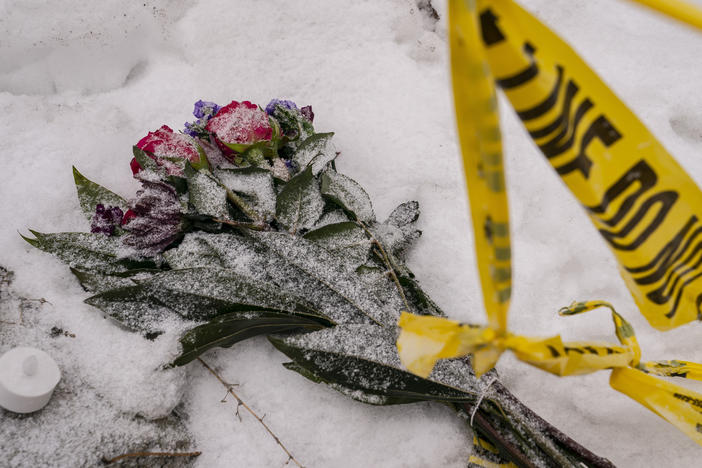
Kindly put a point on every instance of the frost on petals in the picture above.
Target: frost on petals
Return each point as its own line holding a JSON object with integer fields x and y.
{"x": 164, "y": 143}
{"x": 106, "y": 219}
{"x": 153, "y": 220}
{"x": 240, "y": 123}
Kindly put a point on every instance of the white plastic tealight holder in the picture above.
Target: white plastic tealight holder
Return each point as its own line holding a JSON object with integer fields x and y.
{"x": 28, "y": 377}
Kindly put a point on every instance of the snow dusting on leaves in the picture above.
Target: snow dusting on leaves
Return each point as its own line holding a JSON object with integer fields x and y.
{"x": 350, "y": 196}
{"x": 316, "y": 151}
{"x": 253, "y": 183}
{"x": 300, "y": 204}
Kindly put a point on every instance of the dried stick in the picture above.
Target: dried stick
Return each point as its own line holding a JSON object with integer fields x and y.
{"x": 150, "y": 454}
{"x": 259, "y": 419}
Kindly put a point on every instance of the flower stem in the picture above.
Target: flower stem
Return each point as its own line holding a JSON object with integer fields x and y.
{"x": 585, "y": 455}
{"x": 243, "y": 206}
{"x": 386, "y": 260}
{"x": 253, "y": 226}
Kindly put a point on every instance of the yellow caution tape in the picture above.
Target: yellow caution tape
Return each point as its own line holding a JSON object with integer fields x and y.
{"x": 678, "y": 9}
{"x": 642, "y": 202}
{"x": 481, "y": 144}
{"x": 424, "y": 340}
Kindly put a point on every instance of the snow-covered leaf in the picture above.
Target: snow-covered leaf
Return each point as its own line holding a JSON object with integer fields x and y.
{"x": 228, "y": 329}
{"x": 404, "y": 214}
{"x": 194, "y": 294}
{"x": 300, "y": 203}
{"x": 133, "y": 307}
{"x": 347, "y": 240}
{"x": 207, "y": 195}
{"x": 87, "y": 251}
{"x": 98, "y": 282}
{"x": 348, "y": 194}
{"x": 361, "y": 361}
{"x": 91, "y": 194}
{"x": 315, "y": 152}
{"x": 254, "y": 184}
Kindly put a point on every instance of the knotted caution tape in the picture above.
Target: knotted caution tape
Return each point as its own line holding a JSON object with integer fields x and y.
{"x": 643, "y": 203}
{"x": 424, "y": 340}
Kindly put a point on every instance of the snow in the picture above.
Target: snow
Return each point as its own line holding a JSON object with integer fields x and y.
{"x": 79, "y": 86}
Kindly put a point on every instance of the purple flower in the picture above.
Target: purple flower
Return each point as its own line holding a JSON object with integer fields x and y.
{"x": 191, "y": 129}
{"x": 270, "y": 108}
{"x": 105, "y": 219}
{"x": 307, "y": 113}
{"x": 205, "y": 109}
{"x": 154, "y": 221}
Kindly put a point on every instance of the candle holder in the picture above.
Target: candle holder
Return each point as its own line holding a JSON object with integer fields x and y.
{"x": 28, "y": 377}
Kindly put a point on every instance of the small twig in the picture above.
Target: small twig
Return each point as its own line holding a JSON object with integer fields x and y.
{"x": 259, "y": 419}
{"x": 20, "y": 309}
{"x": 150, "y": 454}
{"x": 255, "y": 226}
{"x": 386, "y": 260}
{"x": 41, "y": 300}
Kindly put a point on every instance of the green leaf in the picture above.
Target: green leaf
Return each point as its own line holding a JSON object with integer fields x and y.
{"x": 293, "y": 124}
{"x": 204, "y": 293}
{"x": 307, "y": 269}
{"x": 133, "y": 307}
{"x": 207, "y": 195}
{"x": 405, "y": 213}
{"x": 254, "y": 184}
{"x": 395, "y": 240}
{"x": 348, "y": 194}
{"x": 226, "y": 330}
{"x": 315, "y": 152}
{"x": 297, "y": 268}
{"x": 91, "y": 194}
{"x": 346, "y": 239}
{"x": 421, "y": 302}
{"x": 300, "y": 204}
{"x": 87, "y": 251}
{"x": 96, "y": 282}
{"x": 145, "y": 161}
{"x": 364, "y": 368}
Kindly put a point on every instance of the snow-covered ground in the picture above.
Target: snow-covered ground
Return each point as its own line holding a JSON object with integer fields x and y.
{"x": 80, "y": 84}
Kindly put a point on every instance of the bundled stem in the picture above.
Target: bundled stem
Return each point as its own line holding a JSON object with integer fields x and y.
{"x": 561, "y": 439}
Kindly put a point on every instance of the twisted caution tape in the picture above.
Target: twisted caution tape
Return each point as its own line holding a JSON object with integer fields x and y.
{"x": 424, "y": 340}
{"x": 481, "y": 144}
{"x": 645, "y": 206}
{"x": 678, "y": 9}
{"x": 643, "y": 203}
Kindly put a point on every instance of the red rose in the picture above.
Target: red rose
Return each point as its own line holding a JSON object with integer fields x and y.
{"x": 164, "y": 145}
{"x": 239, "y": 125}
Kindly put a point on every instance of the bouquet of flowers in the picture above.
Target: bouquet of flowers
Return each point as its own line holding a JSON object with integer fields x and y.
{"x": 244, "y": 227}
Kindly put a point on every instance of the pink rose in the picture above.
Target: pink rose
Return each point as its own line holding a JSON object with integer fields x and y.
{"x": 166, "y": 147}
{"x": 239, "y": 125}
